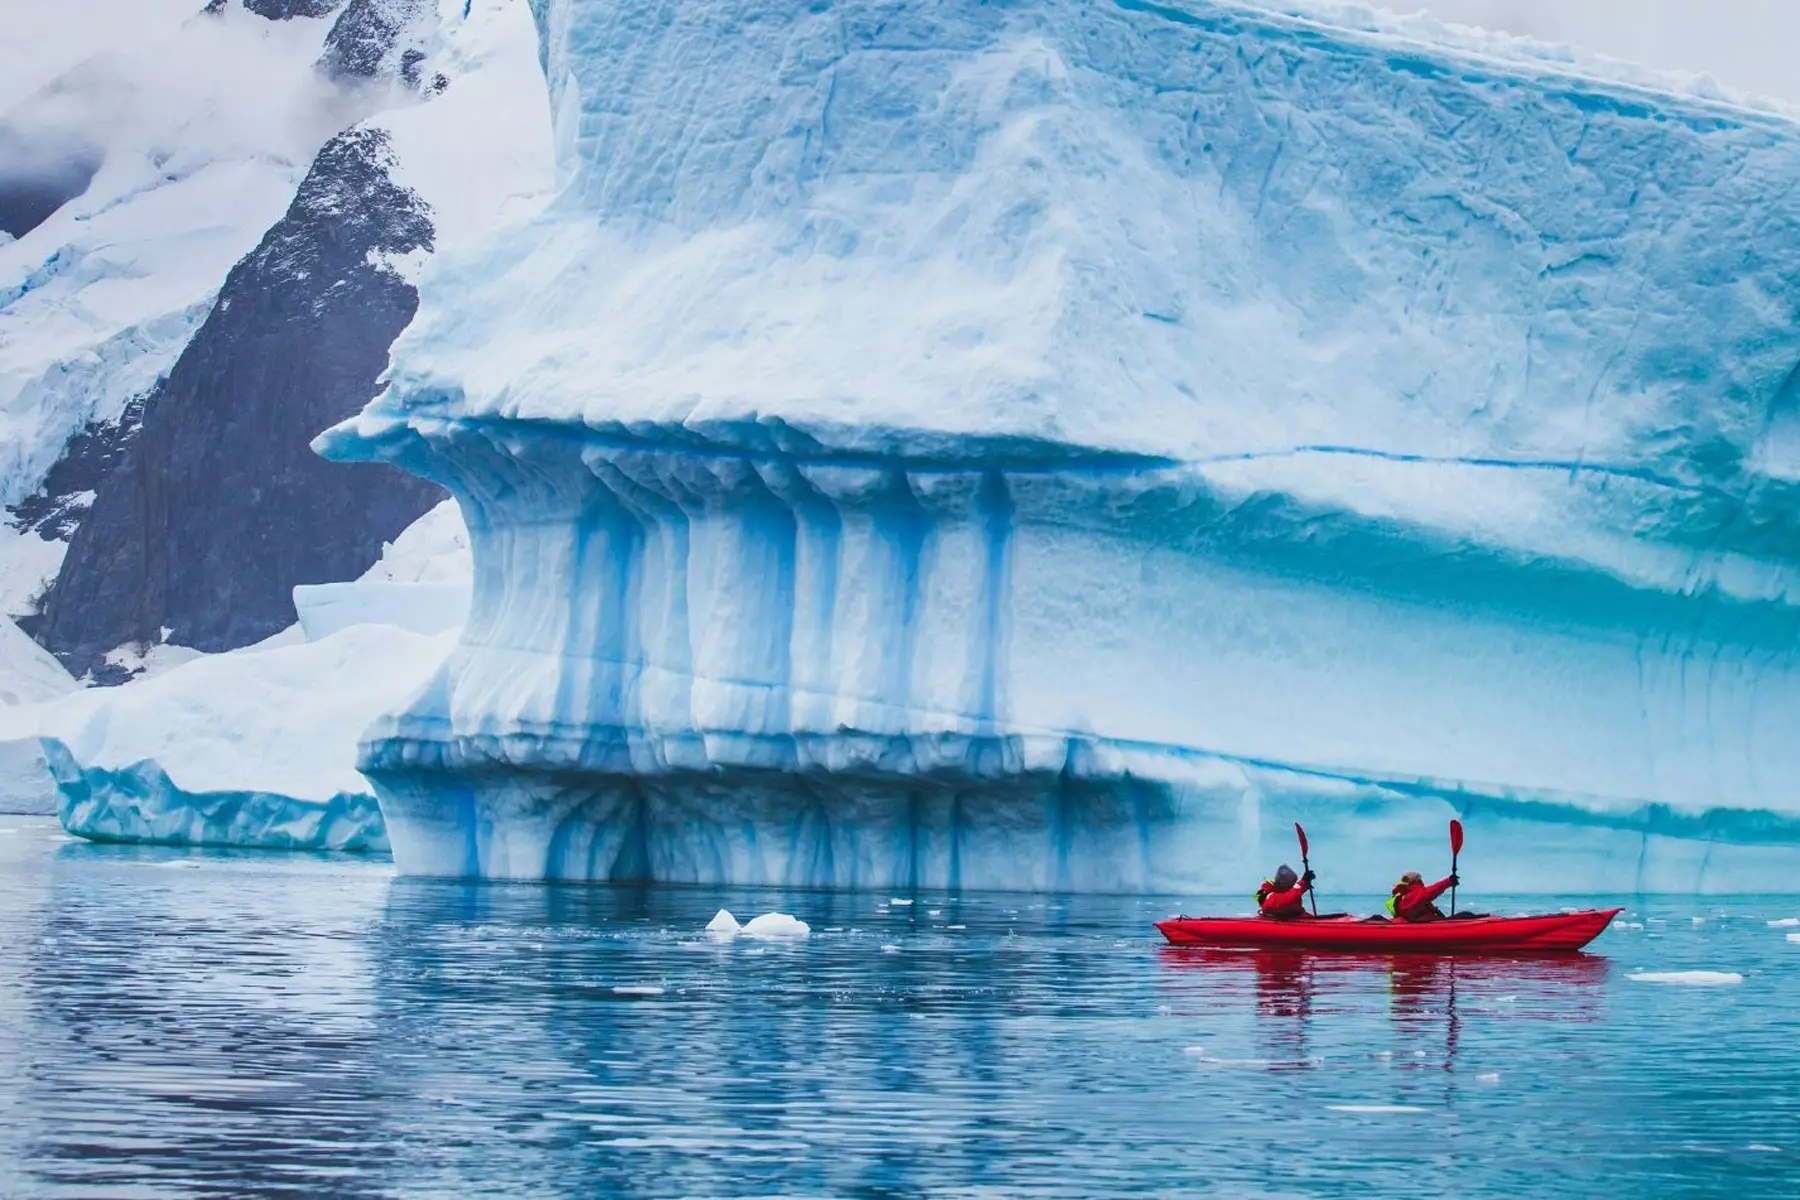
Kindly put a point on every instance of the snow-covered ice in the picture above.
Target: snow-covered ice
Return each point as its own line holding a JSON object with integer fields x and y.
{"x": 1784, "y": 922}
{"x": 1054, "y": 446}
{"x": 770, "y": 925}
{"x": 251, "y": 748}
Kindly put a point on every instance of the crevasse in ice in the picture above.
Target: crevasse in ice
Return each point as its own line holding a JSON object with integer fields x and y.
{"x": 1058, "y": 445}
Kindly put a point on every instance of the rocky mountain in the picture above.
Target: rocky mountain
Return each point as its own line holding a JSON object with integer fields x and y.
{"x": 183, "y": 307}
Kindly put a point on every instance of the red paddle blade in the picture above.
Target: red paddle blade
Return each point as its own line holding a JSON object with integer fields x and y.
{"x": 1456, "y": 837}
{"x": 1301, "y": 834}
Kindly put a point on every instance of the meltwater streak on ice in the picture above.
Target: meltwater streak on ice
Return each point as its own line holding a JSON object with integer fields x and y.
{"x": 263, "y": 1025}
{"x": 989, "y": 446}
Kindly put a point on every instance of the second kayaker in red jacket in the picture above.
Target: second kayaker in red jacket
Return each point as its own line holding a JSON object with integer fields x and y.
{"x": 1285, "y": 895}
{"x": 1412, "y": 897}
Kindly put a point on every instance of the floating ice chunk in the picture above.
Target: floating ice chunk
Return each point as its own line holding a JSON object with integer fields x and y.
{"x": 1488, "y": 1077}
{"x": 898, "y": 903}
{"x": 890, "y": 948}
{"x": 1688, "y": 978}
{"x": 1784, "y": 923}
{"x": 1375, "y": 1108}
{"x": 776, "y": 925}
{"x": 1628, "y": 924}
{"x": 1763, "y": 1148}
{"x": 1699, "y": 920}
{"x": 1793, "y": 937}
{"x": 1194, "y": 1050}
{"x": 723, "y": 924}
{"x": 637, "y": 989}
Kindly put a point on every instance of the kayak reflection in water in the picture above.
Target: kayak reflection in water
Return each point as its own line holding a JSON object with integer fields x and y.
{"x": 1284, "y": 897}
{"x": 1413, "y": 899}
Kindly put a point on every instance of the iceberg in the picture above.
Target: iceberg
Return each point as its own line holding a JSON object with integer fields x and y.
{"x": 1058, "y": 446}
{"x": 254, "y": 748}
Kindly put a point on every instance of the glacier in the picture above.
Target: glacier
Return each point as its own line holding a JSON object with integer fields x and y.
{"x": 1058, "y": 446}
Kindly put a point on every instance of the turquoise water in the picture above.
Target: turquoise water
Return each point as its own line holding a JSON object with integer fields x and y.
{"x": 176, "y": 1024}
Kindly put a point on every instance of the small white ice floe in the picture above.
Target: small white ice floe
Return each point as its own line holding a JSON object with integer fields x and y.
{"x": 1488, "y": 1077}
{"x": 899, "y": 903}
{"x": 1688, "y": 978}
{"x": 1793, "y": 937}
{"x": 1699, "y": 920}
{"x": 769, "y": 925}
{"x": 890, "y": 948}
{"x": 776, "y": 925}
{"x": 1763, "y": 1148}
{"x": 1628, "y": 924}
{"x": 1193, "y": 1050}
{"x": 1375, "y": 1109}
{"x": 1784, "y": 923}
{"x": 637, "y": 989}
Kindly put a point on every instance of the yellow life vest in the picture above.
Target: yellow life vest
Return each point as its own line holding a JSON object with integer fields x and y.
{"x": 1393, "y": 900}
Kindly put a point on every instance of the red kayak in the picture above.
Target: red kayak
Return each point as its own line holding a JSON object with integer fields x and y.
{"x": 1561, "y": 932}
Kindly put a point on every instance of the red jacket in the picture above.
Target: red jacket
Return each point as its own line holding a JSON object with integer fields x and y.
{"x": 1291, "y": 903}
{"x": 1416, "y": 903}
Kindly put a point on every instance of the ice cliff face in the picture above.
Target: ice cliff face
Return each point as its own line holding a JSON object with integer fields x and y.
{"x": 1056, "y": 445}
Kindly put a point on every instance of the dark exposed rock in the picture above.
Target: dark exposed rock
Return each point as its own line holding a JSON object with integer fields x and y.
{"x": 56, "y": 509}
{"x": 217, "y": 507}
{"x": 366, "y": 41}
{"x": 281, "y": 10}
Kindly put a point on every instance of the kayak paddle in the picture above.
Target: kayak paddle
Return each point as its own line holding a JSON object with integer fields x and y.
{"x": 1455, "y": 849}
{"x": 1307, "y": 867}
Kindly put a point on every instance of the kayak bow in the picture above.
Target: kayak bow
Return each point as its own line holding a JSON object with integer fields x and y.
{"x": 1559, "y": 932}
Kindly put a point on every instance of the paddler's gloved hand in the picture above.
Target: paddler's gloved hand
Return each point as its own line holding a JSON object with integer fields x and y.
{"x": 1455, "y": 879}
{"x": 1309, "y": 877}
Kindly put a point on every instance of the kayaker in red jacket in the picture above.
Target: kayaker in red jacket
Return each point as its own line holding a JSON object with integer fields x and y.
{"x": 1285, "y": 895}
{"x": 1412, "y": 897}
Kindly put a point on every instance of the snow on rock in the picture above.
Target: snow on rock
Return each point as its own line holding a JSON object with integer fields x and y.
{"x": 1688, "y": 978}
{"x": 1054, "y": 446}
{"x": 28, "y": 672}
{"x": 251, "y": 748}
{"x": 479, "y": 152}
{"x": 204, "y": 128}
{"x": 208, "y": 522}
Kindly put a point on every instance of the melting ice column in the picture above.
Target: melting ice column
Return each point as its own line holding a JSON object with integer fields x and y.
{"x": 710, "y": 658}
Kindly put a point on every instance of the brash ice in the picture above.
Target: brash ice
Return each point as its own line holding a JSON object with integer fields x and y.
{"x": 952, "y": 444}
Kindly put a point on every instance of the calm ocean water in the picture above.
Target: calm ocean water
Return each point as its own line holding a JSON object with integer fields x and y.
{"x": 177, "y": 1024}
